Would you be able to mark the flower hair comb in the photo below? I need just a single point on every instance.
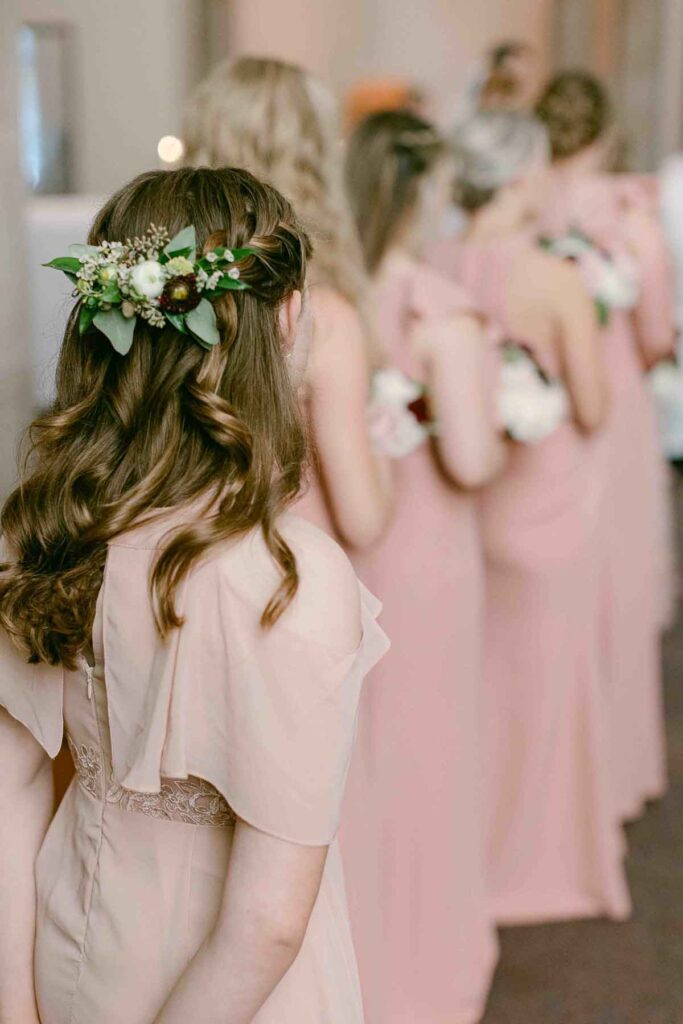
(153, 277)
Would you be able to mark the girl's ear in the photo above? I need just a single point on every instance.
(288, 315)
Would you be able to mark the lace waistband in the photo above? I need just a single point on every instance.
(192, 801)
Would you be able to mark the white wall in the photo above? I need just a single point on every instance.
(131, 63)
(15, 355)
(434, 42)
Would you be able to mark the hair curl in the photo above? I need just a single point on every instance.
(169, 425)
(576, 111)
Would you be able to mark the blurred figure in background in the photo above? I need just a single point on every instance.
(282, 124)
(555, 847)
(616, 215)
(412, 832)
(514, 77)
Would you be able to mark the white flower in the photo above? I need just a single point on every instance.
(179, 265)
(211, 257)
(394, 431)
(612, 280)
(108, 273)
(234, 273)
(148, 279)
(529, 407)
(391, 387)
(570, 246)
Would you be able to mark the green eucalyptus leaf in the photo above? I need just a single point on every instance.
(110, 293)
(83, 250)
(240, 254)
(202, 322)
(183, 244)
(177, 320)
(67, 264)
(228, 284)
(118, 328)
(85, 318)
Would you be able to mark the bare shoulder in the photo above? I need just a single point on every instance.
(331, 310)
(339, 343)
(555, 280)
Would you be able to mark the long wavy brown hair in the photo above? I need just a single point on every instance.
(168, 425)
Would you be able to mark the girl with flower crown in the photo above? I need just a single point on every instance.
(554, 846)
(617, 213)
(282, 124)
(412, 839)
(202, 647)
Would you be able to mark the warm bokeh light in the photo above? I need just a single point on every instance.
(170, 149)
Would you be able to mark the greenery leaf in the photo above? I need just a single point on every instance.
(67, 264)
(603, 312)
(110, 293)
(85, 318)
(228, 284)
(202, 322)
(178, 321)
(83, 250)
(117, 328)
(183, 244)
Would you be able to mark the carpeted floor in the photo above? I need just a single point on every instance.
(601, 973)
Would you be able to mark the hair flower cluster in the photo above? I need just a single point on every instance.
(157, 278)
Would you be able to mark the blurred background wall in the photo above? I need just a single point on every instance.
(125, 70)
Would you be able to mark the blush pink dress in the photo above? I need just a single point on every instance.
(637, 554)
(174, 740)
(555, 848)
(412, 829)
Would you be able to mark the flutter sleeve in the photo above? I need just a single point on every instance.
(267, 716)
(33, 695)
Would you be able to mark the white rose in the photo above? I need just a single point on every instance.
(529, 408)
(147, 279)
(612, 280)
(394, 431)
(391, 387)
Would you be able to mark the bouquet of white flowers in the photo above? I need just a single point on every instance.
(531, 405)
(398, 414)
(611, 277)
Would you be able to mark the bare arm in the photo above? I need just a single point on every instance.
(26, 806)
(654, 316)
(270, 892)
(358, 483)
(458, 364)
(584, 370)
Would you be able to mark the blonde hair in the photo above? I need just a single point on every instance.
(281, 124)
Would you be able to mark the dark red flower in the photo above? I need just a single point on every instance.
(180, 294)
(420, 410)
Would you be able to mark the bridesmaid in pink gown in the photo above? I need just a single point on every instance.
(554, 843)
(412, 830)
(616, 212)
(282, 124)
